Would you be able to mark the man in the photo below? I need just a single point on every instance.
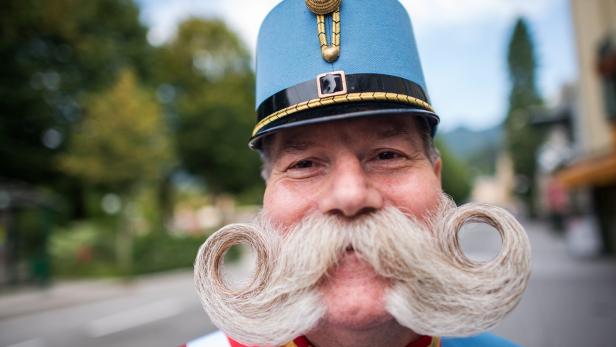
(345, 131)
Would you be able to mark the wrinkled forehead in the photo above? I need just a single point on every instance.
(363, 130)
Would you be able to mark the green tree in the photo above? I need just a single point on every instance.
(456, 176)
(53, 54)
(522, 139)
(121, 141)
(121, 144)
(207, 69)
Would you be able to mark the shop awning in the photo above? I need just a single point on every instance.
(596, 171)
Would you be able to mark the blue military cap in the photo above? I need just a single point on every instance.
(324, 60)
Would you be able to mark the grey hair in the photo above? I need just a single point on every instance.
(266, 159)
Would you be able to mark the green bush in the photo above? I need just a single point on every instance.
(161, 251)
(85, 249)
(456, 176)
(88, 249)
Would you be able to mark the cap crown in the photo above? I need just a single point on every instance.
(376, 37)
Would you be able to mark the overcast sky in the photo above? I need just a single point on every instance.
(462, 47)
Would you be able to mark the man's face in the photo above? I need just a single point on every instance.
(348, 169)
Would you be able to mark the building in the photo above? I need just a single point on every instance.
(594, 117)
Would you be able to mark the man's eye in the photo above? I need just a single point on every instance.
(302, 164)
(388, 155)
(303, 169)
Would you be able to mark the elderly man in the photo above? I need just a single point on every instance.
(345, 131)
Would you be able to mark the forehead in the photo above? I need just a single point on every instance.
(363, 130)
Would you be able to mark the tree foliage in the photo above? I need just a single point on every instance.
(456, 176)
(79, 115)
(53, 53)
(208, 69)
(522, 140)
(121, 140)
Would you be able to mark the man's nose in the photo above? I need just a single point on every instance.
(349, 191)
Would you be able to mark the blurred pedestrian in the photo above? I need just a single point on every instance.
(558, 205)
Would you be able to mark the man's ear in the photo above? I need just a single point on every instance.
(437, 167)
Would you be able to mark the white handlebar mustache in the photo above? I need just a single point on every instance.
(436, 290)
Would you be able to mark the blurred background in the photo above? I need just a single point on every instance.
(123, 131)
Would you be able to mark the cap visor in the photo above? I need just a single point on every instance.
(340, 112)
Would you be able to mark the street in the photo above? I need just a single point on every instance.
(161, 310)
(569, 302)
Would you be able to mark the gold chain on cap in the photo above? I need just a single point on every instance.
(322, 7)
(329, 52)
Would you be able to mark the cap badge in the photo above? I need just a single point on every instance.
(331, 84)
(322, 8)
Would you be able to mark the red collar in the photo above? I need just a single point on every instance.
(302, 341)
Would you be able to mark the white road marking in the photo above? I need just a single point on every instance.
(30, 343)
(134, 317)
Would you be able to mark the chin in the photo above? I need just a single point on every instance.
(355, 295)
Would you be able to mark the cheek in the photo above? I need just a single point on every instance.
(287, 204)
(415, 195)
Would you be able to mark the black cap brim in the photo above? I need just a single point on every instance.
(340, 112)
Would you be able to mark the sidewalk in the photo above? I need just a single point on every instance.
(155, 310)
(80, 292)
(73, 293)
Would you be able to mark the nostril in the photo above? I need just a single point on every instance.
(337, 213)
(366, 211)
(352, 214)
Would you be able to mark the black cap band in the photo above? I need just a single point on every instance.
(355, 83)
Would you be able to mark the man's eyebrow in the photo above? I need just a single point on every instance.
(392, 131)
(295, 145)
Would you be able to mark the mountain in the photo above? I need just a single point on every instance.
(465, 142)
(478, 148)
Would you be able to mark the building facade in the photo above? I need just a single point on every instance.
(594, 117)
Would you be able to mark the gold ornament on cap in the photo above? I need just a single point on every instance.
(322, 7)
(329, 52)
